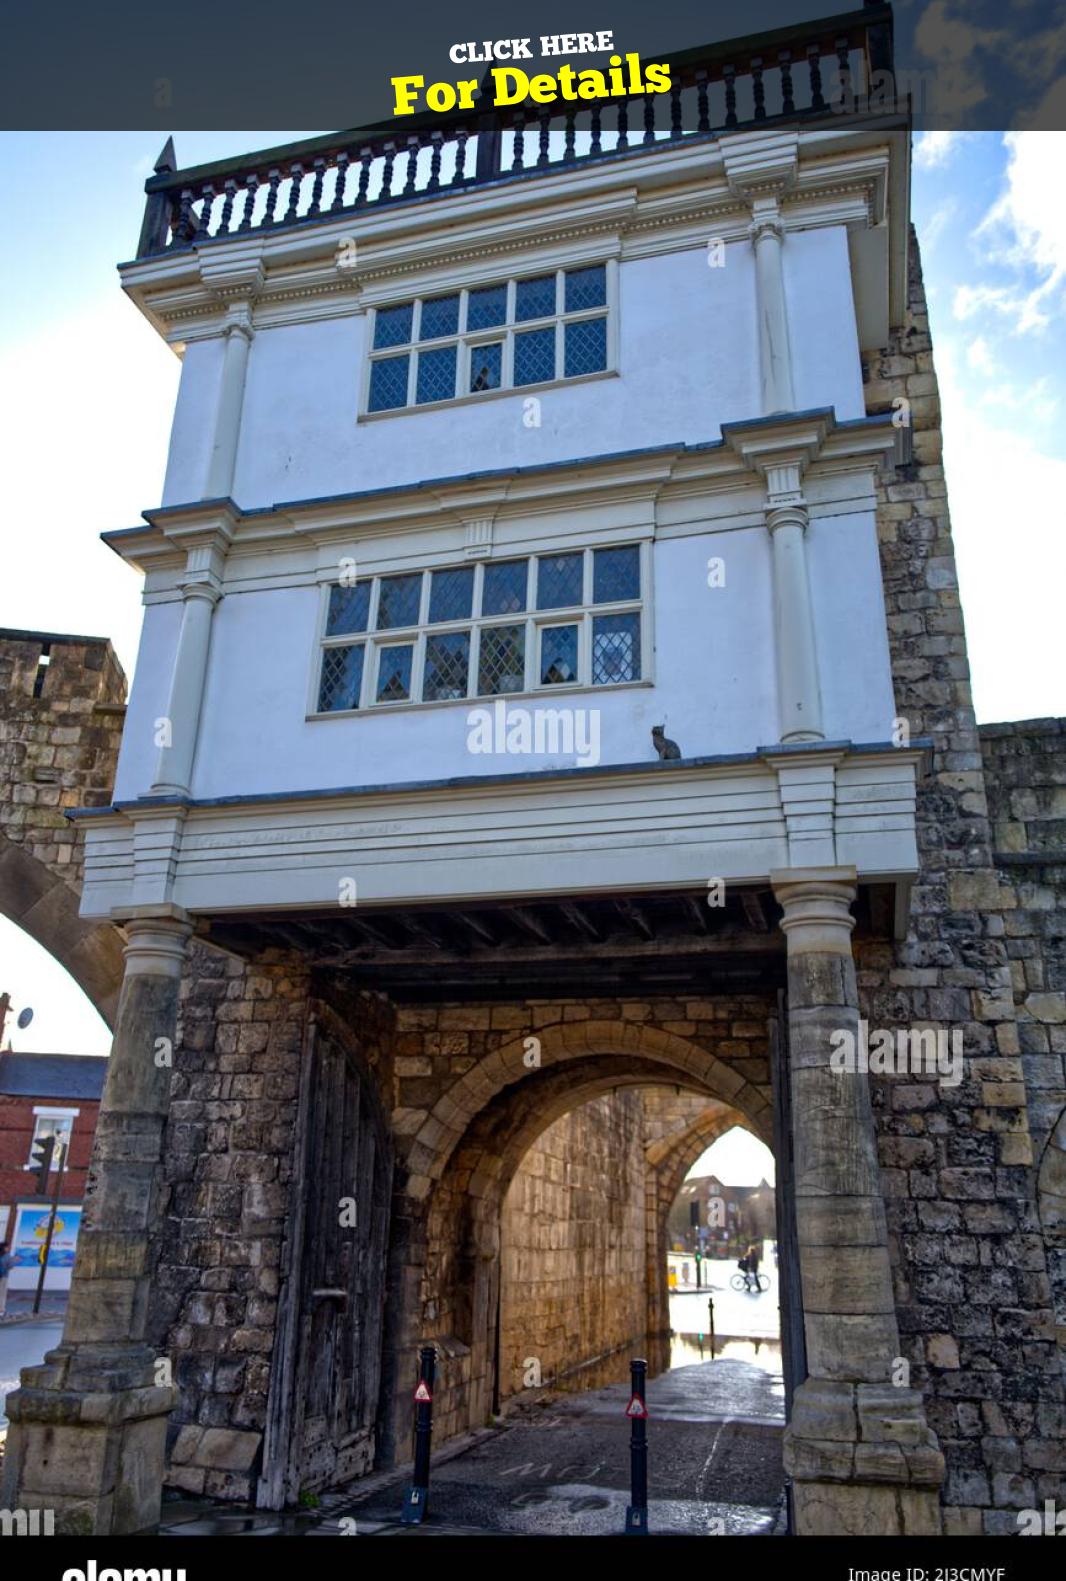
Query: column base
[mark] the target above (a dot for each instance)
(87, 1440)
(863, 1461)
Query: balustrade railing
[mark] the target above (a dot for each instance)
(770, 78)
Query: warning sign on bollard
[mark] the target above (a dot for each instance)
(637, 1509)
(416, 1503)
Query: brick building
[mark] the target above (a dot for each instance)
(45, 1095)
(728, 1214)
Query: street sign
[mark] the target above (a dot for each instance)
(637, 1408)
(422, 1394)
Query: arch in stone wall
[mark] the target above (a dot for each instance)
(43, 905)
(668, 1162)
(62, 705)
(463, 1159)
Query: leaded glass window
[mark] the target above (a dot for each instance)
(475, 341)
(485, 630)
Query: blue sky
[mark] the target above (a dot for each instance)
(87, 392)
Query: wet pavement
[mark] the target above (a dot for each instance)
(561, 1467)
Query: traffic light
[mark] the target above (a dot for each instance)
(41, 1160)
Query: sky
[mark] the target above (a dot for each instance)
(737, 1159)
(87, 392)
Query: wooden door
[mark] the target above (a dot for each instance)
(329, 1344)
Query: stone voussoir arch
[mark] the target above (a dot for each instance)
(671, 1055)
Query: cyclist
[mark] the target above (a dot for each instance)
(751, 1272)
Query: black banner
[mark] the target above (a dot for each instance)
(329, 64)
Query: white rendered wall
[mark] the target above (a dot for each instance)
(148, 699)
(826, 363)
(688, 362)
(193, 430)
(713, 683)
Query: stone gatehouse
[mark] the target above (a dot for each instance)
(416, 1045)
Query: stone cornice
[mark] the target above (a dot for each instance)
(638, 482)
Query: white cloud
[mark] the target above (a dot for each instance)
(1010, 549)
(1008, 302)
(1025, 230)
(978, 356)
(933, 149)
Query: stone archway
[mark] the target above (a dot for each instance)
(62, 705)
(668, 1162)
(446, 1269)
(46, 907)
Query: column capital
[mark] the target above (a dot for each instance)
(238, 321)
(792, 514)
(817, 905)
(156, 941)
(766, 220)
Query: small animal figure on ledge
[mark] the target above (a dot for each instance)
(662, 743)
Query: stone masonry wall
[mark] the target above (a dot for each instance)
(229, 1149)
(1025, 776)
(572, 1249)
(970, 1264)
(1025, 773)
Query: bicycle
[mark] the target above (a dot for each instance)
(740, 1282)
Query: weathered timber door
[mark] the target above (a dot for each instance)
(322, 1431)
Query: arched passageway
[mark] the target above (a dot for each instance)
(465, 1156)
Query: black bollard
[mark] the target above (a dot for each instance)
(416, 1503)
(710, 1317)
(637, 1411)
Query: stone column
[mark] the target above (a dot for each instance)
(775, 353)
(238, 335)
(88, 1426)
(858, 1448)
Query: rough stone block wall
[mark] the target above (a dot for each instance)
(970, 1264)
(572, 1249)
(229, 1150)
(1025, 774)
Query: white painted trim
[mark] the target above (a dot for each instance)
(598, 831)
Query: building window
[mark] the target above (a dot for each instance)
(539, 622)
(499, 337)
(52, 1122)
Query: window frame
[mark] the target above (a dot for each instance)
(466, 340)
(530, 618)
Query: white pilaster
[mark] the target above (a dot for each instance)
(761, 166)
(775, 353)
(799, 694)
(780, 452)
(238, 333)
(201, 590)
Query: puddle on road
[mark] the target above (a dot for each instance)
(688, 1348)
